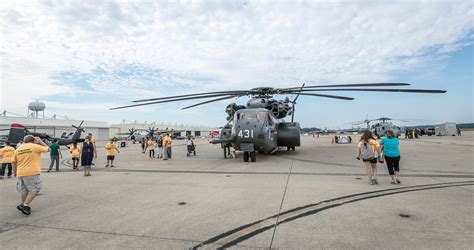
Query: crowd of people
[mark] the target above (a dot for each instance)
(24, 162)
(163, 144)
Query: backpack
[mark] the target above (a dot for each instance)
(367, 152)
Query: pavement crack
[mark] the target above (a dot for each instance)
(281, 204)
(102, 232)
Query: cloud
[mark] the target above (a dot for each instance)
(129, 50)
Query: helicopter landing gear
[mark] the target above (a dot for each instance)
(290, 148)
(252, 156)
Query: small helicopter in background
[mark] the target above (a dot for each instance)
(18, 131)
(381, 127)
(259, 126)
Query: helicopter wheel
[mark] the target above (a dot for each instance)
(288, 148)
(253, 156)
(246, 156)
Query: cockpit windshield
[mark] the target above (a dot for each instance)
(246, 116)
(260, 115)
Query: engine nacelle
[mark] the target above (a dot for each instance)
(280, 109)
(289, 134)
(231, 109)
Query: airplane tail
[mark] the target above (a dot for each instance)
(17, 133)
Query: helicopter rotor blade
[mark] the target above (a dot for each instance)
(352, 85)
(328, 96)
(214, 93)
(173, 100)
(209, 101)
(382, 90)
(354, 123)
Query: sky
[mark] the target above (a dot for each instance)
(83, 57)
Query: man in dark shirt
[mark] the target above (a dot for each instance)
(55, 155)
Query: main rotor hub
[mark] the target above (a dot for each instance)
(263, 91)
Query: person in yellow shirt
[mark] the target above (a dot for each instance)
(150, 146)
(7, 153)
(111, 148)
(27, 167)
(75, 152)
(167, 146)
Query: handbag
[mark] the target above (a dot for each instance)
(380, 158)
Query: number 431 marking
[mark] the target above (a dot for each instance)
(246, 133)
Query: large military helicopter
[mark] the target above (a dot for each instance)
(259, 126)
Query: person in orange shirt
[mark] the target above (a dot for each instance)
(167, 146)
(150, 146)
(27, 167)
(6, 153)
(111, 148)
(75, 153)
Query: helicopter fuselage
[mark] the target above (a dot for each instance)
(254, 130)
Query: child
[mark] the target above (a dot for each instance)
(75, 152)
(159, 143)
(111, 149)
(7, 158)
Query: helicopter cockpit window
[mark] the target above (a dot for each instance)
(246, 116)
(262, 116)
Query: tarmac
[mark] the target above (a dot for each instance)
(315, 197)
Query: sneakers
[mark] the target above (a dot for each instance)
(398, 181)
(111, 166)
(373, 182)
(107, 165)
(1, 177)
(26, 210)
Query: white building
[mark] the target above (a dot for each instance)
(176, 129)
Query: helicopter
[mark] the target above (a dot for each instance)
(18, 131)
(259, 126)
(381, 127)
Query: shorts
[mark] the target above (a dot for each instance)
(373, 161)
(29, 184)
(75, 158)
(110, 157)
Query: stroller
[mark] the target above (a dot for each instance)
(191, 149)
